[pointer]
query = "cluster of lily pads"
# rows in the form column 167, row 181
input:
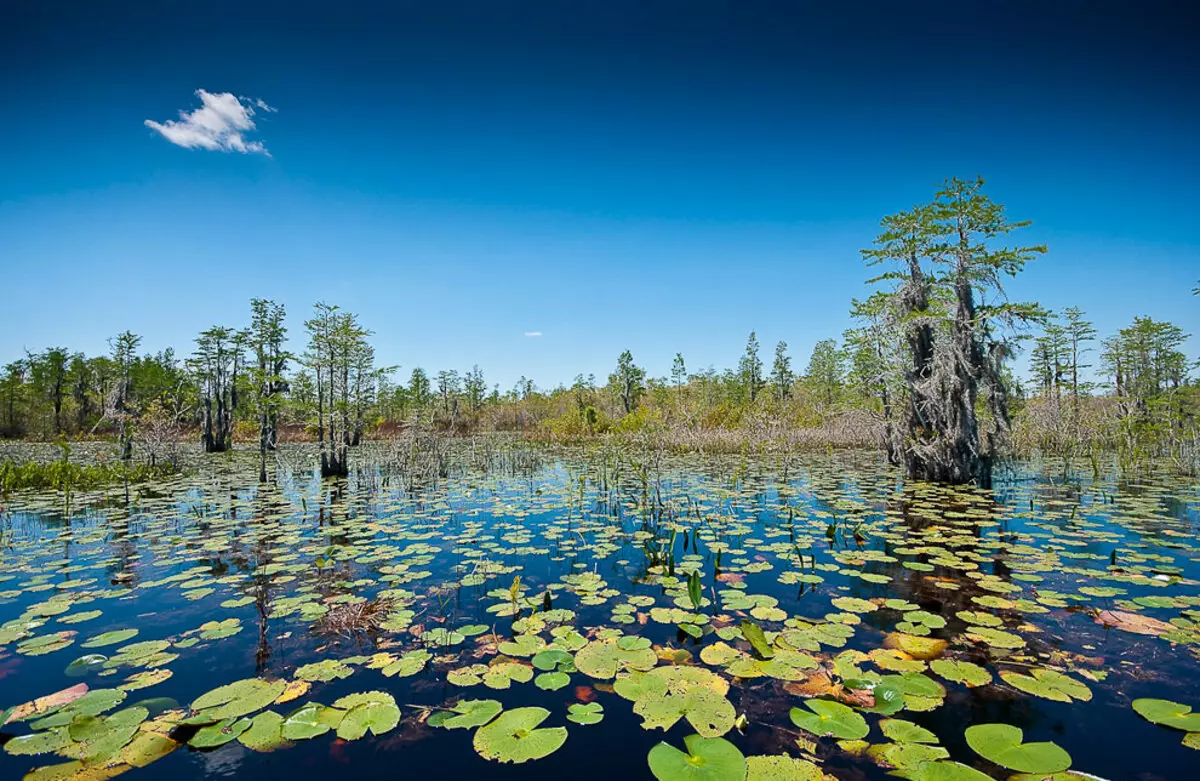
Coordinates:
column 683, row 601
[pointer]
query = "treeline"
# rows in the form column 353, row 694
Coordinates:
column 926, row 373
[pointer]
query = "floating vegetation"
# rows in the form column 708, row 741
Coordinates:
column 730, row 618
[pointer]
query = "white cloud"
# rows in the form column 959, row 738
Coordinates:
column 221, row 123
column 533, row 333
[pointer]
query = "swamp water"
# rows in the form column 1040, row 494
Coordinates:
column 557, row 614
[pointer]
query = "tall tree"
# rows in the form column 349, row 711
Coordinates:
column 419, row 388
column 629, row 381
column 782, row 376
column 826, row 370
column 266, row 339
column 49, row 371
column 949, row 300
column 83, row 378
column 1051, row 354
column 475, row 388
column 12, row 393
column 1079, row 333
column 750, row 367
column 678, row 371
column 124, row 352
column 874, row 353
column 342, row 362
column 449, row 386
column 216, row 364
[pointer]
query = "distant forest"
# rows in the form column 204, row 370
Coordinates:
column 925, row 374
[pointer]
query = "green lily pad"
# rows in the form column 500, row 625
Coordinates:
column 376, row 712
column 324, row 671
column 1168, row 714
column 39, row 742
column 1002, row 744
column 1049, row 684
column 309, row 721
column 552, row 659
column 961, row 672
column 906, row 732
column 782, row 768
column 829, row 718
column 943, row 771
column 585, row 712
column 265, row 732
column 145, row 748
column 469, row 713
column 665, row 695
column 109, row 638
column 514, row 736
column 239, row 698
column 552, row 681
column 602, row 659
column 220, row 733
column 706, row 759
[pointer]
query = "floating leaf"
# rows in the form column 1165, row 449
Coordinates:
column 1002, row 744
column 1135, row 623
column 833, row 719
column 514, row 737
column 324, row 670
column 706, row 759
column 552, row 681
column 585, row 712
column 370, row 711
column 1168, row 714
column 109, row 638
column 265, row 732
column 219, row 734
column 961, row 672
column 39, row 742
column 309, row 721
column 1050, row 684
column 239, row 698
column 47, row 703
column 471, row 713
column 906, row 732
column 665, row 695
column 602, row 659
column 783, row 768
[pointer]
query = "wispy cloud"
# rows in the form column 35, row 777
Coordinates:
column 221, row 123
column 533, row 333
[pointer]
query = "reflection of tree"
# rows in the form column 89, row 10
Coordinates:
column 125, row 552
column 269, row 502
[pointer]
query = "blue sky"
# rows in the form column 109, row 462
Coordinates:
column 657, row 176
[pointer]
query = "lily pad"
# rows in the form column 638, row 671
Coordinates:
column 602, row 659
column 706, row 759
column 514, row 736
column 1168, row 714
column 829, row 718
column 1002, row 744
column 585, row 712
column 265, row 732
column 1049, row 684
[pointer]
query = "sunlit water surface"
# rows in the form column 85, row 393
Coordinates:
column 448, row 550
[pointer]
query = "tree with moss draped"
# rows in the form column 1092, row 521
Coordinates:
column 947, row 298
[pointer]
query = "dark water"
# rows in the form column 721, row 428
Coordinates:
column 560, row 513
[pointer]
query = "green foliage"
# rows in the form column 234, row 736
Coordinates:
column 70, row 476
